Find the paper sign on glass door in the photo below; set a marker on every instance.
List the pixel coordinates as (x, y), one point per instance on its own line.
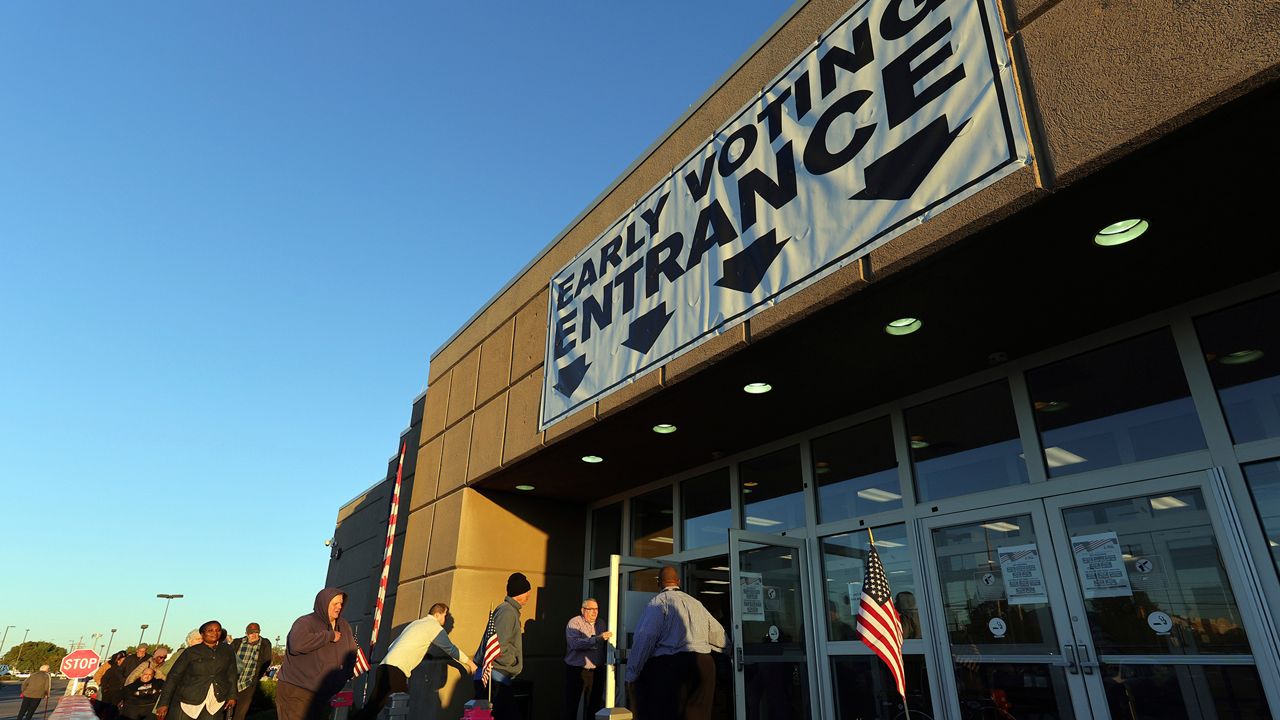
(752, 586)
(1022, 574)
(1100, 564)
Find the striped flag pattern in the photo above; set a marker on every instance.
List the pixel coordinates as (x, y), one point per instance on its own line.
(1015, 557)
(386, 554)
(362, 662)
(491, 650)
(1090, 546)
(878, 624)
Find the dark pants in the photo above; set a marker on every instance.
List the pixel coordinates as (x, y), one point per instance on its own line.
(244, 699)
(29, 707)
(297, 703)
(676, 687)
(504, 700)
(579, 681)
(390, 679)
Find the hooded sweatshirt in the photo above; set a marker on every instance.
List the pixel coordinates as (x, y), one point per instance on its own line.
(313, 661)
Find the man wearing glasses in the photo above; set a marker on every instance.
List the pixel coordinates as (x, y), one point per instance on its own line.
(253, 657)
(584, 661)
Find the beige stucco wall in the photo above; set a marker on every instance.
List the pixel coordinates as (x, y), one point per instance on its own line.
(1097, 79)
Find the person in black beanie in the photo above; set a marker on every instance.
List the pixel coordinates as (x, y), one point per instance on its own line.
(505, 624)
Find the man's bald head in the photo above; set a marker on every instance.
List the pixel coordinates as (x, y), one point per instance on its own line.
(669, 577)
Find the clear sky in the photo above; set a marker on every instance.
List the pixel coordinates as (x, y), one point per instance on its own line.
(232, 234)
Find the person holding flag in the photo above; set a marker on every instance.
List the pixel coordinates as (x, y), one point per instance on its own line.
(501, 654)
(879, 626)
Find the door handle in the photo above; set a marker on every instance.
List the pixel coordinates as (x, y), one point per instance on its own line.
(1085, 663)
(738, 654)
(1069, 652)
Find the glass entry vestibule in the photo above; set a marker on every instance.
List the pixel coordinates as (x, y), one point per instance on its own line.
(1086, 532)
(1120, 602)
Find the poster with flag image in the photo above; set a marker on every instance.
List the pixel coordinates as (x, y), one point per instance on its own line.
(879, 626)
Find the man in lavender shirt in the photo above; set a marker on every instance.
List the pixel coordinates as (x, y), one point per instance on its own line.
(583, 662)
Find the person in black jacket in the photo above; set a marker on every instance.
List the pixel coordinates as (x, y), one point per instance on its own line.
(140, 695)
(202, 681)
(111, 688)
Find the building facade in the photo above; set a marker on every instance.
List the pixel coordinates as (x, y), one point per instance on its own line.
(991, 280)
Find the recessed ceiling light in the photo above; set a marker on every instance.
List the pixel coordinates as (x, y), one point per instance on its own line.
(1051, 405)
(664, 428)
(1166, 502)
(762, 522)
(1240, 357)
(716, 582)
(1056, 457)
(724, 568)
(593, 459)
(1001, 526)
(822, 467)
(888, 544)
(710, 592)
(756, 388)
(750, 483)
(878, 495)
(903, 326)
(1119, 233)
(918, 442)
(525, 488)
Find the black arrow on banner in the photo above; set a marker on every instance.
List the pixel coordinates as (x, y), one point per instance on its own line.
(898, 173)
(569, 377)
(645, 329)
(744, 271)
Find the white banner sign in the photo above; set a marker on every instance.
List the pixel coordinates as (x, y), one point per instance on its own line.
(903, 108)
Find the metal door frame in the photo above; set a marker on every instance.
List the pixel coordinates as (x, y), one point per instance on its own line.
(798, 545)
(616, 647)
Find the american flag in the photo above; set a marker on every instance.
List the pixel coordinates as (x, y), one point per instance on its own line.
(878, 623)
(491, 650)
(362, 662)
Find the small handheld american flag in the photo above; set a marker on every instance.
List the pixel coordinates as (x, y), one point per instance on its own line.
(491, 650)
(879, 627)
(362, 662)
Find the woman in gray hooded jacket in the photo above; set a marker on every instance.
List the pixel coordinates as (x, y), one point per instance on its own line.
(319, 658)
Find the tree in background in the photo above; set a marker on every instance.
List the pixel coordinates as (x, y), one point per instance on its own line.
(34, 653)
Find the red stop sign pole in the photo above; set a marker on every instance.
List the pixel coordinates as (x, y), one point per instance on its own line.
(80, 664)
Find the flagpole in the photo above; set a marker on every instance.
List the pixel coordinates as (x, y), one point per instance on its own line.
(489, 685)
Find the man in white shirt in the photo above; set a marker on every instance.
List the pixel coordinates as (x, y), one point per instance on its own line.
(406, 653)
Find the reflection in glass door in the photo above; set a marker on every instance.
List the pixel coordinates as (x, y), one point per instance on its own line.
(1148, 585)
(1003, 614)
(771, 632)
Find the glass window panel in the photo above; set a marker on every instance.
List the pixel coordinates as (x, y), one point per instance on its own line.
(1242, 348)
(598, 588)
(773, 491)
(1171, 564)
(1170, 692)
(843, 565)
(966, 443)
(775, 674)
(708, 580)
(1264, 485)
(865, 689)
(974, 591)
(856, 471)
(606, 534)
(1118, 404)
(651, 525)
(1003, 691)
(705, 504)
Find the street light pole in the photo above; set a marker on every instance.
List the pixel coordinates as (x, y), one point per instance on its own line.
(167, 599)
(5, 636)
(109, 642)
(21, 648)
(144, 632)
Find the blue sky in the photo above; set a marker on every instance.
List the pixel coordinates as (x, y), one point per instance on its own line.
(232, 234)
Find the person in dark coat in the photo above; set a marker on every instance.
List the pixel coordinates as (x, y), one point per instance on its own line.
(141, 694)
(131, 662)
(111, 688)
(319, 658)
(202, 683)
(34, 689)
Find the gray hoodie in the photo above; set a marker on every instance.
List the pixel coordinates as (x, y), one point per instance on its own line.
(312, 659)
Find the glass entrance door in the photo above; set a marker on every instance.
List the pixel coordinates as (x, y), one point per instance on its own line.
(772, 633)
(1112, 603)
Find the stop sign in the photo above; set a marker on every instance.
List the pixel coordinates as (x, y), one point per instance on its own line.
(80, 664)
